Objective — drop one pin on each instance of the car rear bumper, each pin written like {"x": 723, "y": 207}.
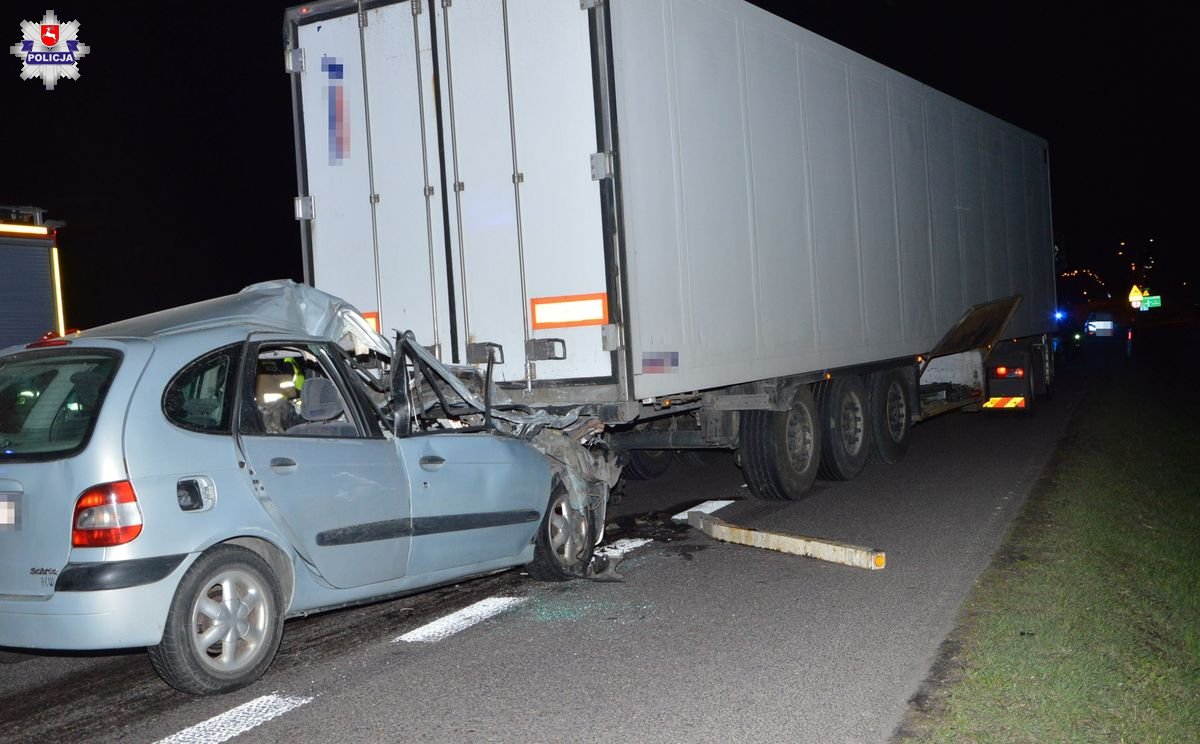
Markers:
{"x": 102, "y": 575}
{"x": 90, "y": 620}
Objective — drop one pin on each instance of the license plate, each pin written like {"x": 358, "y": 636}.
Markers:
{"x": 10, "y": 511}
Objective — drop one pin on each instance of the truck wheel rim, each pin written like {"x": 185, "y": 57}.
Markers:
{"x": 568, "y": 532}
{"x": 231, "y": 620}
{"x": 799, "y": 438}
{"x": 897, "y": 412}
{"x": 852, "y": 424}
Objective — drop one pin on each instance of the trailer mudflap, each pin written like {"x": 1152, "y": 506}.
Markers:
{"x": 980, "y": 326}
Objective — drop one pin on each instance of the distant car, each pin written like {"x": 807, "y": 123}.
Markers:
{"x": 187, "y": 480}
{"x": 1101, "y": 325}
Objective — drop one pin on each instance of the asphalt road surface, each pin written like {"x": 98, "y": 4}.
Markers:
{"x": 703, "y": 641}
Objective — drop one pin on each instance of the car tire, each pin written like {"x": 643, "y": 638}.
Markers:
{"x": 647, "y": 465}
{"x": 564, "y": 542}
{"x": 889, "y": 416}
{"x": 845, "y": 435}
{"x": 230, "y": 589}
{"x": 780, "y": 450}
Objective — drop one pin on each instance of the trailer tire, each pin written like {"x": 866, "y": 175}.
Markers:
{"x": 845, "y": 434}
{"x": 781, "y": 450}
{"x": 647, "y": 465}
{"x": 889, "y": 416}
{"x": 1031, "y": 406}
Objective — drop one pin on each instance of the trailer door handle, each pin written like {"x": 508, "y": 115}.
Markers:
{"x": 432, "y": 462}
{"x": 283, "y": 464}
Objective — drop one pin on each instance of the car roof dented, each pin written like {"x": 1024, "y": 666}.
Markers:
{"x": 279, "y": 306}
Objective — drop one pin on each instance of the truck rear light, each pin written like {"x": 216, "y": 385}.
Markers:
{"x": 106, "y": 515}
{"x": 1002, "y": 372}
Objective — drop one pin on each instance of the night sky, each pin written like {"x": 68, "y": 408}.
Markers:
{"x": 172, "y": 158}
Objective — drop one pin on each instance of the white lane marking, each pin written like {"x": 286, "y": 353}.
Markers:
{"x": 461, "y": 620}
{"x": 622, "y": 546}
{"x": 492, "y": 606}
{"x": 237, "y": 721}
{"x": 708, "y": 507}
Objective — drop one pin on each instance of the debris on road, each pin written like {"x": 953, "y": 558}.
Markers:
{"x": 811, "y": 547}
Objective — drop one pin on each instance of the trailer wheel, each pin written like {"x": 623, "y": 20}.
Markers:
{"x": 845, "y": 434}
{"x": 647, "y": 465}
{"x": 780, "y": 450}
{"x": 1031, "y": 396}
{"x": 889, "y": 416}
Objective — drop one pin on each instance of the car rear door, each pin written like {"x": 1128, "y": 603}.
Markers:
{"x": 340, "y": 492}
{"x": 448, "y": 169}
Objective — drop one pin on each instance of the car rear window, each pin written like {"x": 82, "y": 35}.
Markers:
{"x": 49, "y": 400}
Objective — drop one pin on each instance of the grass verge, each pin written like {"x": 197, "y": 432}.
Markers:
{"x": 1087, "y": 626}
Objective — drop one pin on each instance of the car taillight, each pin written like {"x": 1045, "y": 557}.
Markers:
{"x": 106, "y": 515}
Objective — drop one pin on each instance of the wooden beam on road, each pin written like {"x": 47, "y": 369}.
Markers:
{"x": 810, "y": 547}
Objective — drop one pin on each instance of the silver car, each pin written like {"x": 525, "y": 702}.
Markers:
{"x": 186, "y": 480}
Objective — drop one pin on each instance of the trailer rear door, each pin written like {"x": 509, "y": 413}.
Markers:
{"x": 448, "y": 161}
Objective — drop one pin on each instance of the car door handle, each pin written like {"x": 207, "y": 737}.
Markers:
{"x": 432, "y": 462}
{"x": 283, "y": 464}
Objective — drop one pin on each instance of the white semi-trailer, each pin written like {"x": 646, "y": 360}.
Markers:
{"x": 674, "y": 224}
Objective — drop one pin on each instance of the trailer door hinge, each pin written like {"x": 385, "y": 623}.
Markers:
{"x": 416, "y": 7}
{"x": 589, "y": 4}
{"x": 306, "y": 207}
{"x": 602, "y": 165}
{"x": 362, "y": 19}
{"x": 610, "y": 337}
{"x": 293, "y": 60}
{"x": 373, "y": 198}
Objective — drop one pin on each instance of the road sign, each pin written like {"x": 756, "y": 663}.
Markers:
{"x": 1152, "y": 301}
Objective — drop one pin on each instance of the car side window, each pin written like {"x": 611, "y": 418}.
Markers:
{"x": 292, "y": 391}
{"x": 200, "y": 396}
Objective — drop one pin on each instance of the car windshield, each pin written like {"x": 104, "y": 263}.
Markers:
{"x": 49, "y": 400}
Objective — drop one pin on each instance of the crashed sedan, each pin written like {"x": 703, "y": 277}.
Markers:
{"x": 186, "y": 480}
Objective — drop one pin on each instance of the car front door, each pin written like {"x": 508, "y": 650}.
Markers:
{"x": 337, "y": 487}
{"x": 476, "y": 497}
